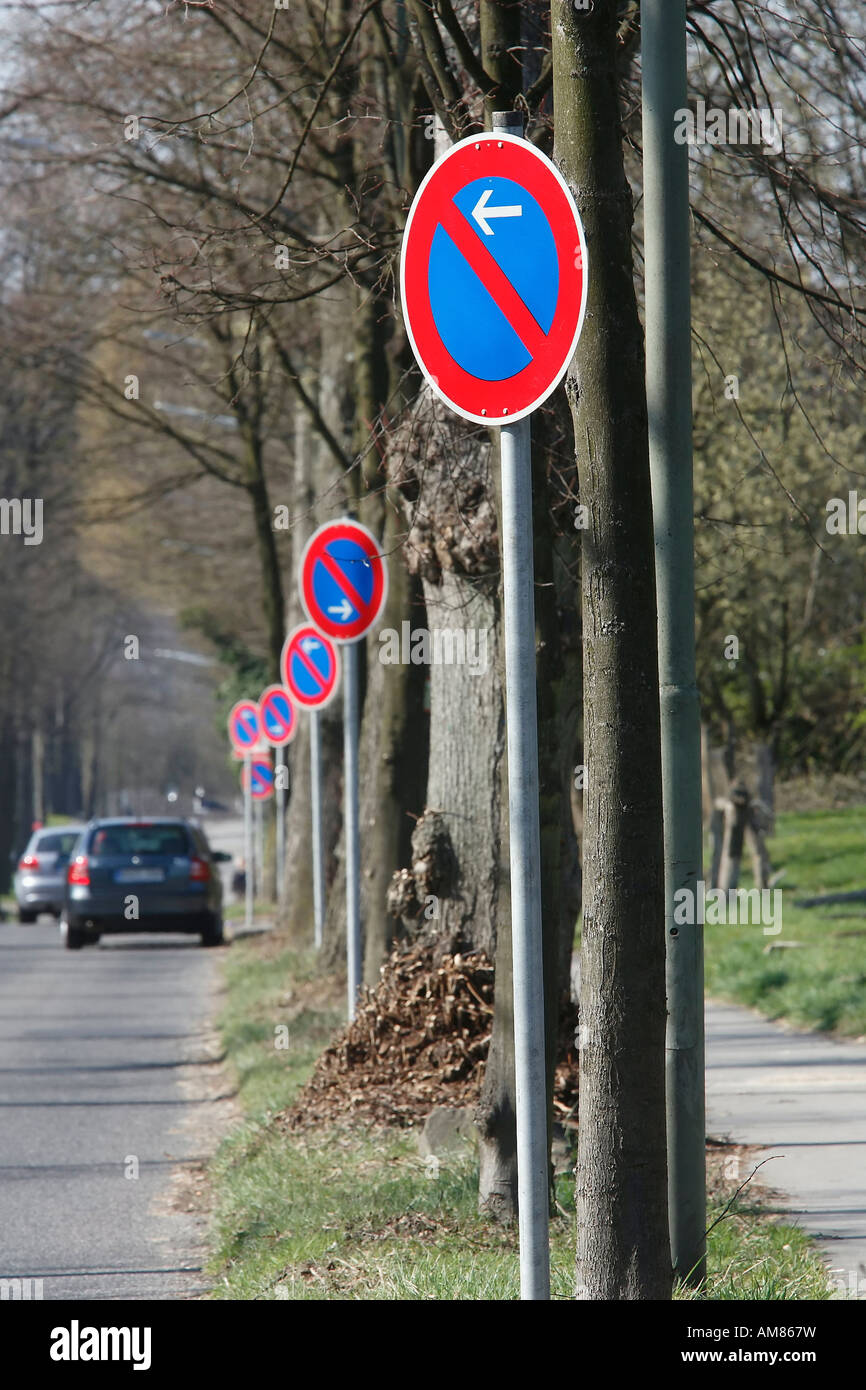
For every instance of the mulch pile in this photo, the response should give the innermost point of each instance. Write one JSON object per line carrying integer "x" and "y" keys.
{"x": 418, "y": 1040}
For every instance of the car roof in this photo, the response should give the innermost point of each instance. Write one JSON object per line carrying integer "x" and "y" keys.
{"x": 65, "y": 829}
{"x": 138, "y": 820}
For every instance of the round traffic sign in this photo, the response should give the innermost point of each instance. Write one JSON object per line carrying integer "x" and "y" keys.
{"x": 493, "y": 277}
{"x": 343, "y": 580}
{"x": 262, "y": 779}
{"x": 310, "y": 667}
{"x": 245, "y": 731}
{"x": 277, "y": 716}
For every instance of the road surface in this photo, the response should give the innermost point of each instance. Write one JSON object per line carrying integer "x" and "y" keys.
{"x": 108, "y": 1070}
{"x": 800, "y": 1098}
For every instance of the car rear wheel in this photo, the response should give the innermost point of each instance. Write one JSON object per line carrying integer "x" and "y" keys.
{"x": 25, "y": 916}
{"x": 74, "y": 937}
{"x": 212, "y": 934}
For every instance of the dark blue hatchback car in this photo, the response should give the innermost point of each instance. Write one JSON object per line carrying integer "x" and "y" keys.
{"x": 128, "y": 875}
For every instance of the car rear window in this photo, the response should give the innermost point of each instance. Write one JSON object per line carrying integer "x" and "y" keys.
{"x": 57, "y": 843}
{"x": 140, "y": 839}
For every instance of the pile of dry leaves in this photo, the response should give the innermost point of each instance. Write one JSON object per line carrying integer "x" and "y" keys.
{"x": 418, "y": 1040}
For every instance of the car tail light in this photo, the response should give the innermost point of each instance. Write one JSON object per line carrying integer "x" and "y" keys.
{"x": 78, "y": 871}
{"x": 28, "y": 861}
{"x": 199, "y": 870}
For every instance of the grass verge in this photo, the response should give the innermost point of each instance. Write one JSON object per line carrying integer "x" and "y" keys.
{"x": 351, "y": 1214}
{"x": 813, "y": 972}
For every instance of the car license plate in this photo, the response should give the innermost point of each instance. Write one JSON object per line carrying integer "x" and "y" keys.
{"x": 139, "y": 876}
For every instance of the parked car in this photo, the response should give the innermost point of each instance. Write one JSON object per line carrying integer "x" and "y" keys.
{"x": 40, "y": 878}
{"x": 155, "y": 875}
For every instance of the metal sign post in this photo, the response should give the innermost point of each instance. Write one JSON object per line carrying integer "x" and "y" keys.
{"x": 525, "y": 848}
{"x": 344, "y": 585}
{"x": 669, "y": 410}
{"x": 260, "y": 857}
{"x": 244, "y": 735}
{"x": 316, "y": 808}
{"x": 249, "y": 872}
{"x": 350, "y": 820}
{"x": 310, "y": 666}
{"x": 279, "y": 766}
{"x": 493, "y": 279}
{"x": 279, "y": 725}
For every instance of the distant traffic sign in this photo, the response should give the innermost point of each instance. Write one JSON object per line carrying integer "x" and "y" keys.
{"x": 493, "y": 277}
{"x": 310, "y": 667}
{"x": 244, "y": 729}
{"x": 277, "y": 716}
{"x": 343, "y": 580}
{"x": 262, "y": 779}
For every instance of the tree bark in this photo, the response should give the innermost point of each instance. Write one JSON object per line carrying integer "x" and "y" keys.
{"x": 736, "y": 820}
{"x": 623, "y": 1247}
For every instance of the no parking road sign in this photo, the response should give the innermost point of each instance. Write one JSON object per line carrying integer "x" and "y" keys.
{"x": 343, "y": 580}
{"x": 493, "y": 277}
{"x": 277, "y": 716}
{"x": 261, "y": 779}
{"x": 245, "y": 731}
{"x": 310, "y": 667}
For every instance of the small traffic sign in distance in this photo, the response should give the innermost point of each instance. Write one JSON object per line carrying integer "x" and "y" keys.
{"x": 310, "y": 667}
{"x": 261, "y": 779}
{"x": 493, "y": 277}
{"x": 343, "y": 580}
{"x": 245, "y": 732}
{"x": 277, "y": 716}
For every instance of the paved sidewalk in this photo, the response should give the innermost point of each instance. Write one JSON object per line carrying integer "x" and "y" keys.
{"x": 802, "y": 1097}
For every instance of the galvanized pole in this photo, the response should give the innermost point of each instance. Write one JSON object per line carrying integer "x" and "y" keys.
{"x": 350, "y": 823}
{"x": 316, "y": 803}
{"x": 280, "y": 764}
{"x": 525, "y": 842}
{"x": 249, "y": 872}
{"x": 260, "y": 847}
{"x": 669, "y": 404}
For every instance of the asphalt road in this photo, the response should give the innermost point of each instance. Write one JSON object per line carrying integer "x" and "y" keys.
{"x": 106, "y": 1069}
{"x": 800, "y": 1099}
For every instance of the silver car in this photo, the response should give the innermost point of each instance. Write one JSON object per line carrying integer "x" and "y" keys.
{"x": 40, "y": 879}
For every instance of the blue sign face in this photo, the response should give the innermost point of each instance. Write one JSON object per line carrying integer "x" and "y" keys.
{"x": 311, "y": 667}
{"x": 278, "y": 715}
{"x": 344, "y": 590}
{"x": 493, "y": 277}
{"x": 246, "y": 726}
{"x": 261, "y": 780}
{"x": 343, "y": 580}
{"x": 517, "y": 234}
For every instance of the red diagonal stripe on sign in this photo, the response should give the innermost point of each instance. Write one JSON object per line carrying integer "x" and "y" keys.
{"x": 313, "y": 670}
{"x": 493, "y": 278}
{"x": 339, "y": 577}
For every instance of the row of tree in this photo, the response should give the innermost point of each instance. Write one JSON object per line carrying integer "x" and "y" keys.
{"x": 207, "y": 206}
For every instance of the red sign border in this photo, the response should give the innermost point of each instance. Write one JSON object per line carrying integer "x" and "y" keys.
{"x": 241, "y": 749}
{"x": 343, "y": 530}
{"x": 256, "y": 796}
{"x": 293, "y": 728}
{"x": 302, "y": 700}
{"x": 497, "y": 402}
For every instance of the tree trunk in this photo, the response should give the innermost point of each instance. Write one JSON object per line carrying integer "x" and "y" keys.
{"x": 457, "y": 885}
{"x": 766, "y": 768}
{"x": 713, "y": 811}
{"x": 623, "y": 1241}
{"x": 393, "y": 756}
{"x": 736, "y": 820}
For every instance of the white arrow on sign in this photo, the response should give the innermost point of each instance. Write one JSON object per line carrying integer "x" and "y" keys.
{"x": 481, "y": 212}
{"x": 343, "y": 610}
{"x": 309, "y": 644}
